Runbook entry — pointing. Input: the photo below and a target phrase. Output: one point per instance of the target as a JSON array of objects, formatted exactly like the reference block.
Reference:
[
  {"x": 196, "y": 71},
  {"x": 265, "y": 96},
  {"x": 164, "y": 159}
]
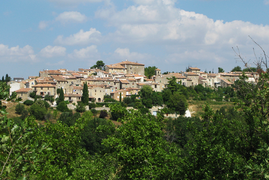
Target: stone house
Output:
[
  {"x": 126, "y": 67},
  {"x": 194, "y": 70},
  {"x": 24, "y": 93},
  {"x": 224, "y": 82},
  {"x": 47, "y": 73},
  {"x": 99, "y": 91},
  {"x": 72, "y": 98},
  {"x": 123, "y": 93},
  {"x": 44, "y": 89},
  {"x": 194, "y": 77}
]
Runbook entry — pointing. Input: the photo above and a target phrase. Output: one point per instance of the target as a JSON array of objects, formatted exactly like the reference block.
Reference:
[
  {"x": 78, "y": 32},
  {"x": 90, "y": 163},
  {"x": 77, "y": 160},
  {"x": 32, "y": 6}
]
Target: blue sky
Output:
[{"x": 170, "y": 34}]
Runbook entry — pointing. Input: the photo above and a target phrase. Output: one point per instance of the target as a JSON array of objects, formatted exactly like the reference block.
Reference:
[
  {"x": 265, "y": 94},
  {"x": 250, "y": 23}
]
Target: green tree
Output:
[
  {"x": 150, "y": 71},
  {"x": 85, "y": 95},
  {"x": 145, "y": 94},
  {"x": 99, "y": 65},
  {"x": 178, "y": 103},
  {"x": 69, "y": 118},
  {"x": 61, "y": 97},
  {"x": 96, "y": 130},
  {"x": 141, "y": 150},
  {"x": 220, "y": 70},
  {"x": 39, "y": 152},
  {"x": 62, "y": 107},
  {"x": 39, "y": 109},
  {"x": 237, "y": 68},
  {"x": 19, "y": 108},
  {"x": 249, "y": 69},
  {"x": 117, "y": 111}
]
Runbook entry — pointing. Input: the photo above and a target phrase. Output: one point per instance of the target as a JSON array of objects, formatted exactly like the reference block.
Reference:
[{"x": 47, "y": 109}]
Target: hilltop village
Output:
[{"x": 125, "y": 78}]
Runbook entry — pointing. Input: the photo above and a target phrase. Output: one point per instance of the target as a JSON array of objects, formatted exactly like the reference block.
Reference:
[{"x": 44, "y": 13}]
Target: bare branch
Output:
[{"x": 264, "y": 53}]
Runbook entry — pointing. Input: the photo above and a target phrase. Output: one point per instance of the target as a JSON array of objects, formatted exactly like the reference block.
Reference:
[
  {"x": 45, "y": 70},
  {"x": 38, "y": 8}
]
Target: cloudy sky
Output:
[{"x": 170, "y": 34}]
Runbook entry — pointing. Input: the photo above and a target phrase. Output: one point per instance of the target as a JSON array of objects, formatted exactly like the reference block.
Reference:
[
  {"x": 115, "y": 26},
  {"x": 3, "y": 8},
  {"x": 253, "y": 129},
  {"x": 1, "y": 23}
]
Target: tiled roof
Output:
[
  {"x": 177, "y": 75},
  {"x": 130, "y": 63},
  {"x": 43, "y": 85},
  {"x": 32, "y": 77},
  {"x": 211, "y": 75},
  {"x": 124, "y": 81},
  {"x": 24, "y": 90},
  {"x": 226, "y": 81},
  {"x": 191, "y": 74},
  {"x": 58, "y": 78},
  {"x": 72, "y": 95},
  {"x": 195, "y": 68},
  {"x": 44, "y": 80},
  {"x": 115, "y": 66}
]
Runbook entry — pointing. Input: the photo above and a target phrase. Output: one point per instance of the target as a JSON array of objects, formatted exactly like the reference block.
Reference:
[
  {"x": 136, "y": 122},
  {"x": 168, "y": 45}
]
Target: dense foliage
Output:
[
  {"x": 150, "y": 71},
  {"x": 229, "y": 143}
]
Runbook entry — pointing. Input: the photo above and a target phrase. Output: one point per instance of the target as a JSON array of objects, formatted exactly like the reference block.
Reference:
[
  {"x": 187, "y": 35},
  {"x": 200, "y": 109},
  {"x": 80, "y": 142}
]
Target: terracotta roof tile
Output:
[{"x": 24, "y": 90}]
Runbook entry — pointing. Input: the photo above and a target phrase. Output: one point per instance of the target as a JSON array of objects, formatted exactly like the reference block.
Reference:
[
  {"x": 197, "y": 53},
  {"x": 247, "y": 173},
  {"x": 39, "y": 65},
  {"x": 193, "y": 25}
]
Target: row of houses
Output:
[{"x": 121, "y": 79}]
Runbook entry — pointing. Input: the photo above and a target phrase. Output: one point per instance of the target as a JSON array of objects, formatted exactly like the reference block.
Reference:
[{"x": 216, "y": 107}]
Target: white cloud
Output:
[
  {"x": 55, "y": 51},
  {"x": 124, "y": 53},
  {"x": 80, "y": 38},
  {"x": 16, "y": 53},
  {"x": 42, "y": 25},
  {"x": 90, "y": 53},
  {"x": 74, "y": 2},
  {"x": 266, "y": 2},
  {"x": 159, "y": 2},
  {"x": 161, "y": 22},
  {"x": 71, "y": 16}
]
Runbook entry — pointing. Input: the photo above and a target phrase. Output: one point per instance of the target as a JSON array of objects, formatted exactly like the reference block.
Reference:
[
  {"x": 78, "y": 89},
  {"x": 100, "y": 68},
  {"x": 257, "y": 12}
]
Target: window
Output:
[{"x": 41, "y": 88}]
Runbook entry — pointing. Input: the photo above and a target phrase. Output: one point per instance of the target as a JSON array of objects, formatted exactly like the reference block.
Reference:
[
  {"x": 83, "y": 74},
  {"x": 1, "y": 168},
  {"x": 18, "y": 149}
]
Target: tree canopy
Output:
[
  {"x": 237, "y": 68},
  {"x": 150, "y": 71},
  {"x": 99, "y": 65},
  {"x": 220, "y": 70}
]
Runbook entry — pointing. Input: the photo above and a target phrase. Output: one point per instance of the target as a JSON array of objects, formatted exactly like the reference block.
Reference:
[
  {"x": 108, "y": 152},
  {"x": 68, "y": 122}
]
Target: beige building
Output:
[
  {"x": 194, "y": 70},
  {"x": 45, "y": 89},
  {"x": 24, "y": 93},
  {"x": 194, "y": 77},
  {"x": 72, "y": 98},
  {"x": 99, "y": 91},
  {"x": 126, "y": 67}
]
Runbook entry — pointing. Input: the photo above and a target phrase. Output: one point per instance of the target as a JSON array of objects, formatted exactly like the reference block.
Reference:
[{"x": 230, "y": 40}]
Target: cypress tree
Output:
[
  {"x": 61, "y": 97},
  {"x": 85, "y": 95}
]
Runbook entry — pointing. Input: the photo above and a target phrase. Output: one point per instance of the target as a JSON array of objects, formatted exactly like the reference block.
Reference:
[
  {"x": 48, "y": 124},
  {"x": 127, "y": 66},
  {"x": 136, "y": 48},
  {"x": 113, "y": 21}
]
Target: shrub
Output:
[
  {"x": 92, "y": 105},
  {"x": 48, "y": 116},
  {"x": 103, "y": 114},
  {"x": 94, "y": 111},
  {"x": 49, "y": 98},
  {"x": 24, "y": 114},
  {"x": 19, "y": 99},
  {"x": 80, "y": 107},
  {"x": 28, "y": 102},
  {"x": 32, "y": 94},
  {"x": 37, "y": 111},
  {"x": 19, "y": 108},
  {"x": 127, "y": 100},
  {"x": 62, "y": 107},
  {"x": 47, "y": 105},
  {"x": 69, "y": 118}
]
